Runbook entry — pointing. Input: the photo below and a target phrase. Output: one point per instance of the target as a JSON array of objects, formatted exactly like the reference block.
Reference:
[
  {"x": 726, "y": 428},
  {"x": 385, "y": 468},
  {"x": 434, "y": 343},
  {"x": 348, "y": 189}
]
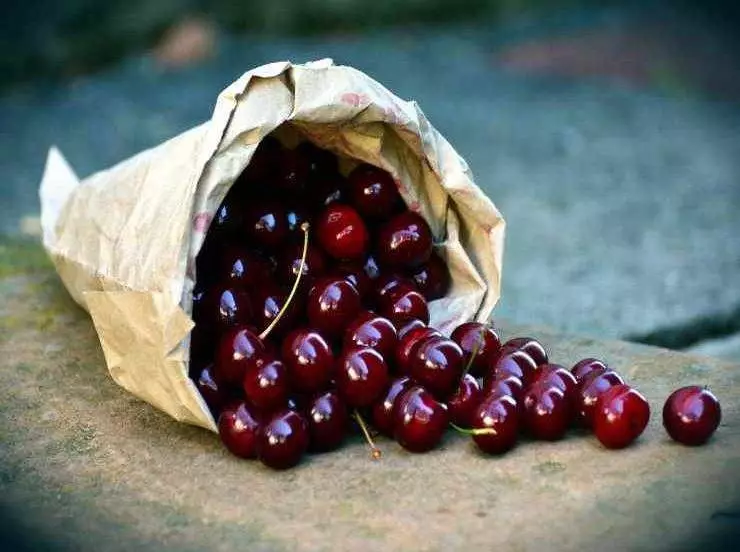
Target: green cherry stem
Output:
[
  {"x": 474, "y": 430},
  {"x": 374, "y": 450}
]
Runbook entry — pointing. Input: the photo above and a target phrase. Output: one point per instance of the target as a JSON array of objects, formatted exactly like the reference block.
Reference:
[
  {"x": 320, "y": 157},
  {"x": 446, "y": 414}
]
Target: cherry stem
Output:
[
  {"x": 268, "y": 329},
  {"x": 374, "y": 450},
  {"x": 474, "y": 353},
  {"x": 474, "y": 430}
]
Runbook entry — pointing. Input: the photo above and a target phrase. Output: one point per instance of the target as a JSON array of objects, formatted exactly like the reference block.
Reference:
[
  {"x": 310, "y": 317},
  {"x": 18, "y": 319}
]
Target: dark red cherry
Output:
[
  {"x": 407, "y": 347},
  {"x": 407, "y": 326},
  {"x": 501, "y": 414},
  {"x": 546, "y": 412},
  {"x": 268, "y": 301},
  {"x": 475, "y": 336},
  {"x": 507, "y": 384},
  {"x": 332, "y": 305},
  {"x": 559, "y": 376},
  {"x": 419, "y": 420},
  {"x": 342, "y": 232},
  {"x": 239, "y": 428},
  {"x": 320, "y": 162},
  {"x": 328, "y": 190},
  {"x": 371, "y": 330},
  {"x": 401, "y": 305},
  {"x": 388, "y": 282},
  {"x": 266, "y": 384},
  {"x": 289, "y": 264},
  {"x": 291, "y": 173},
  {"x": 243, "y": 267},
  {"x": 529, "y": 345},
  {"x": 361, "y": 376},
  {"x": 405, "y": 241},
  {"x": 691, "y": 415},
  {"x": 437, "y": 364},
  {"x": 516, "y": 363},
  {"x": 263, "y": 165},
  {"x": 371, "y": 268},
  {"x": 621, "y": 415},
  {"x": 463, "y": 402},
  {"x": 590, "y": 390},
  {"x": 283, "y": 440},
  {"x": 227, "y": 222},
  {"x": 327, "y": 421},
  {"x": 223, "y": 307},
  {"x": 208, "y": 388},
  {"x": 266, "y": 223},
  {"x": 309, "y": 360},
  {"x": 296, "y": 215},
  {"x": 584, "y": 368},
  {"x": 432, "y": 278},
  {"x": 383, "y": 409},
  {"x": 238, "y": 349},
  {"x": 354, "y": 273},
  {"x": 373, "y": 192}
]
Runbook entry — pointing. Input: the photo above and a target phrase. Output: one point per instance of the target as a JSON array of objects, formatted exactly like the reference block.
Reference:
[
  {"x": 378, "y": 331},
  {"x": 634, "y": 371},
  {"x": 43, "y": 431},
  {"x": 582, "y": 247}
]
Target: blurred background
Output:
[{"x": 607, "y": 133}]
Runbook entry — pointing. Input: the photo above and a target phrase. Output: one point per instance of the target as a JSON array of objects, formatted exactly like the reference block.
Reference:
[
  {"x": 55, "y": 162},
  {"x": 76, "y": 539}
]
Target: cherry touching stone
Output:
[
  {"x": 590, "y": 390},
  {"x": 370, "y": 330},
  {"x": 373, "y": 192},
  {"x": 499, "y": 413},
  {"x": 407, "y": 347},
  {"x": 268, "y": 300},
  {"x": 289, "y": 264},
  {"x": 437, "y": 365},
  {"x": 341, "y": 232},
  {"x": 546, "y": 412},
  {"x": 283, "y": 440},
  {"x": 332, "y": 304},
  {"x": 419, "y": 420},
  {"x": 481, "y": 338},
  {"x": 328, "y": 421},
  {"x": 691, "y": 415},
  {"x": 308, "y": 359},
  {"x": 208, "y": 388},
  {"x": 529, "y": 345},
  {"x": 583, "y": 368},
  {"x": 382, "y": 412},
  {"x": 265, "y": 384},
  {"x": 354, "y": 273},
  {"x": 516, "y": 363},
  {"x": 401, "y": 305},
  {"x": 506, "y": 384},
  {"x": 361, "y": 376},
  {"x": 243, "y": 267},
  {"x": 621, "y": 415},
  {"x": 463, "y": 402},
  {"x": 291, "y": 173},
  {"x": 408, "y": 325},
  {"x": 266, "y": 224},
  {"x": 405, "y": 241},
  {"x": 432, "y": 278},
  {"x": 239, "y": 349},
  {"x": 239, "y": 428}
]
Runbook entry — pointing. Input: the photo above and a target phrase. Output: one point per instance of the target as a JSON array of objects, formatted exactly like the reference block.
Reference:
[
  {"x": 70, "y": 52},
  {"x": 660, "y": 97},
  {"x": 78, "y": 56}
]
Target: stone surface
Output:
[
  {"x": 85, "y": 466},
  {"x": 725, "y": 347}
]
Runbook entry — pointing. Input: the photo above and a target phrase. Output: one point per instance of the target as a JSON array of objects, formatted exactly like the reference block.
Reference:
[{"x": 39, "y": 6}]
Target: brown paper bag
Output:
[{"x": 124, "y": 240}]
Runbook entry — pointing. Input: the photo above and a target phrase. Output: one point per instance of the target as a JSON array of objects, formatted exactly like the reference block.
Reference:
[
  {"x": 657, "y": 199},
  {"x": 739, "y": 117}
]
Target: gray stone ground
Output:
[{"x": 622, "y": 204}]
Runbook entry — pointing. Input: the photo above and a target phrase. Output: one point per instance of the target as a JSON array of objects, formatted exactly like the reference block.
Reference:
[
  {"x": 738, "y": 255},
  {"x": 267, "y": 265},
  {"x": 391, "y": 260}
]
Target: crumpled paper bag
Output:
[{"x": 124, "y": 240}]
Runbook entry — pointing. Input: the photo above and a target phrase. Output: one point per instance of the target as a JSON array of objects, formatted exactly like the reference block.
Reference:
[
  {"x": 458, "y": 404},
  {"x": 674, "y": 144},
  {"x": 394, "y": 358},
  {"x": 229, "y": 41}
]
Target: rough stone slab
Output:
[
  {"x": 85, "y": 466},
  {"x": 725, "y": 347}
]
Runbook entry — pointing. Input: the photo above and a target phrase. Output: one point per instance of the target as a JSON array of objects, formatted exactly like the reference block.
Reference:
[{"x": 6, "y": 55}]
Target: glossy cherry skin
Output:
[
  {"x": 546, "y": 412},
  {"x": 475, "y": 336},
  {"x": 408, "y": 344},
  {"x": 328, "y": 190},
  {"x": 387, "y": 282},
  {"x": 361, "y": 376},
  {"x": 223, "y": 307},
  {"x": 432, "y": 278},
  {"x": 327, "y": 421},
  {"x": 590, "y": 390},
  {"x": 419, "y": 420},
  {"x": 266, "y": 224},
  {"x": 354, "y": 273},
  {"x": 463, "y": 402},
  {"x": 239, "y": 428},
  {"x": 289, "y": 265},
  {"x": 371, "y": 268},
  {"x": 585, "y": 367},
  {"x": 555, "y": 374},
  {"x": 691, "y": 415},
  {"x": 516, "y": 363},
  {"x": 405, "y": 241},
  {"x": 382, "y": 413},
  {"x": 265, "y": 384},
  {"x": 500, "y": 413},
  {"x": 309, "y": 360},
  {"x": 239, "y": 349},
  {"x": 208, "y": 388},
  {"x": 227, "y": 222},
  {"x": 283, "y": 440},
  {"x": 268, "y": 301},
  {"x": 529, "y": 345},
  {"x": 399, "y": 306},
  {"x": 408, "y": 325},
  {"x": 507, "y": 384},
  {"x": 437, "y": 365},
  {"x": 342, "y": 232},
  {"x": 243, "y": 267},
  {"x": 621, "y": 415},
  {"x": 332, "y": 305},
  {"x": 371, "y": 330},
  {"x": 373, "y": 192}
]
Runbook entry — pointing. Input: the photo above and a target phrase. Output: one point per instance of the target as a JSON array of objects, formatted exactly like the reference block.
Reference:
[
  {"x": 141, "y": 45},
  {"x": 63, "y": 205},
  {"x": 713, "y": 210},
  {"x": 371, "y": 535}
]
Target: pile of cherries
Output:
[{"x": 312, "y": 321}]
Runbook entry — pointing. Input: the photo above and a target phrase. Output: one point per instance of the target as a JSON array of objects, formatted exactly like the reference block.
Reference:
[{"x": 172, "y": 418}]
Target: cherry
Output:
[
  {"x": 208, "y": 388},
  {"x": 419, "y": 420},
  {"x": 308, "y": 359},
  {"x": 481, "y": 339},
  {"x": 227, "y": 222},
  {"x": 327, "y": 190},
  {"x": 238, "y": 349},
  {"x": 405, "y": 241},
  {"x": 407, "y": 346},
  {"x": 507, "y": 384},
  {"x": 620, "y": 416},
  {"x": 289, "y": 264},
  {"x": 584, "y": 368},
  {"x": 223, "y": 307},
  {"x": 590, "y": 390},
  {"x": 354, "y": 273},
  {"x": 342, "y": 232},
  {"x": 463, "y": 402},
  {"x": 332, "y": 304},
  {"x": 238, "y": 428},
  {"x": 327, "y": 421},
  {"x": 243, "y": 267},
  {"x": 266, "y": 384},
  {"x": 291, "y": 174},
  {"x": 432, "y": 278},
  {"x": 388, "y": 282},
  {"x": 515, "y": 363},
  {"x": 498, "y": 413},
  {"x": 295, "y": 215},
  {"x": 437, "y": 364},
  {"x": 559, "y": 376},
  {"x": 361, "y": 376},
  {"x": 268, "y": 301},
  {"x": 264, "y": 162},
  {"x": 371, "y": 267},
  {"x": 408, "y": 325},
  {"x": 401, "y": 305},
  {"x": 283, "y": 440},
  {"x": 546, "y": 411},
  {"x": 529, "y": 345},
  {"x": 320, "y": 162},
  {"x": 370, "y": 330},
  {"x": 373, "y": 192},
  {"x": 691, "y": 415},
  {"x": 382, "y": 413},
  {"x": 266, "y": 223}
]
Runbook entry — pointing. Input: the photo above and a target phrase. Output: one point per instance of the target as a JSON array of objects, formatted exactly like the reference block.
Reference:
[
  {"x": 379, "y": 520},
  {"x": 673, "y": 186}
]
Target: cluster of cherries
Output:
[{"x": 299, "y": 341}]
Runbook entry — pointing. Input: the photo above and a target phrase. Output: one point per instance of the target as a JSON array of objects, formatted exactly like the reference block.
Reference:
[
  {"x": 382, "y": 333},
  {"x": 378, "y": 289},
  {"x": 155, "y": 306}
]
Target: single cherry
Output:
[
  {"x": 239, "y": 349},
  {"x": 371, "y": 330},
  {"x": 590, "y": 390},
  {"x": 289, "y": 264},
  {"x": 266, "y": 223},
  {"x": 507, "y": 384},
  {"x": 342, "y": 232},
  {"x": 515, "y": 363},
  {"x": 223, "y": 307},
  {"x": 387, "y": 282},
  {"x": 266, "y": 384},
  {"x": 419, "y": 420},
  {"x": 559, "y": 376},
  {"x": 243, "y": 267},
  {"x": 401, "y": 305},
  {"x": 432, "y": 278},
  {"x": 296, "y": 215},
  {"x": 585, "y": 367},
  {"x": 327, "y": 421},
  {"x": 239, "y": 428},
  {"x": 361, "y": 376},
  {"x": 621, "y": 415},
  {"x": 283, "y": 440},
  {"x": 373, "y": 192},
  {"x": 408, "y": 325},
  {"x": 529, "y": 345},
  {"x": 405, "y": 241},
  {"x": 407, "y": 347},
  {"x": 308, "y": 359},
  {"x": 320, "y": 162},
  {"x": 328, "y": 190},
  {"x": 691, "y": 415},
  {"x": 332, "y": 304},
  {"x": 437, "y": 364},
  {"x": 214, "y": 396},
  {"x": 268, "y": 301},
  {"x": 463, "y": 402},
  {"x": 480, "y": 339},
  {"x": 498, "y": 413},
  {"x": 291, "y": 173},
  {"x": 382, "y": 413},
  {"x": 546, "y": 411},
  {"x": 354, "y": 273}
]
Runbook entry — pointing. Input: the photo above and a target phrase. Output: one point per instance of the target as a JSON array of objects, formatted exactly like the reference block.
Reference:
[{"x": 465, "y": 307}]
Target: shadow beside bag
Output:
[{"x": 124, "y": 240}]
